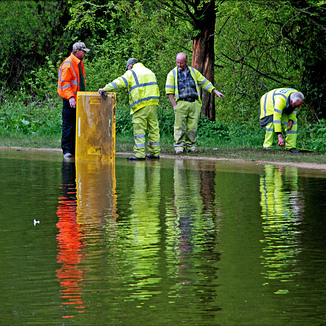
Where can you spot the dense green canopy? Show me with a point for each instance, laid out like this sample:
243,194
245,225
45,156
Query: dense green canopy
244,47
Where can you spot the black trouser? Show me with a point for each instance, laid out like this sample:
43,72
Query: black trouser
68,128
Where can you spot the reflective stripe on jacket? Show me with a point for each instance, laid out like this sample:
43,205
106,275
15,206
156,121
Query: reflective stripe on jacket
68,80
141,84
273,103
171,85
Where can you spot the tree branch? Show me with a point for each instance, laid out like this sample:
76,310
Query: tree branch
99,6
241,60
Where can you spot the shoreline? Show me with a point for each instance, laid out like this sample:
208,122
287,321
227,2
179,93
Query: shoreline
303,165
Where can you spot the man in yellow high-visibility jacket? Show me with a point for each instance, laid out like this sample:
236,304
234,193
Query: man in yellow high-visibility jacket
277,108
182,87
144,98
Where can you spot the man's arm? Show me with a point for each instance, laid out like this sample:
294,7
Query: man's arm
172,100
207,85
119,83
67,77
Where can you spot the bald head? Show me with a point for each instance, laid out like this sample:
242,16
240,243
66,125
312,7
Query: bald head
182,61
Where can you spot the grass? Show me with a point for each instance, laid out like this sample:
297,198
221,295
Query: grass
39,126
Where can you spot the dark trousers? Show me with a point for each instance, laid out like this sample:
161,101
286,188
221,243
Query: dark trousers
68,128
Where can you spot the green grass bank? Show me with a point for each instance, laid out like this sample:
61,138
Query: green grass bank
39,126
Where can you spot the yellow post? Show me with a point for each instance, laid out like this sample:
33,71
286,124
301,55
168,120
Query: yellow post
95,127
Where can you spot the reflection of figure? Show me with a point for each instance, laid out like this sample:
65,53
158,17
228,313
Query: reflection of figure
279,220
191,231
143,243
69,240
188,203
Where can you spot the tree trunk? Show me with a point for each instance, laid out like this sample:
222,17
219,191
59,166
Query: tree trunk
203,56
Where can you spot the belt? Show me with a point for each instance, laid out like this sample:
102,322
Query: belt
189,99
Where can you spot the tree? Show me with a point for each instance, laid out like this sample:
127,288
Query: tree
308,37
30,31
275,43
255,56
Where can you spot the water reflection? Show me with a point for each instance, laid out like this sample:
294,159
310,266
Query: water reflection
281,205
70,242
86,211
171,242
142,230
191,234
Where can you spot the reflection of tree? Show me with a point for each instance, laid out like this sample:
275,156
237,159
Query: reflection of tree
279,203
69,241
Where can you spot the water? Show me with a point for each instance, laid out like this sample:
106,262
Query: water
174,242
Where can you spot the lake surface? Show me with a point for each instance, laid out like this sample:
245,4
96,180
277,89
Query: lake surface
169,242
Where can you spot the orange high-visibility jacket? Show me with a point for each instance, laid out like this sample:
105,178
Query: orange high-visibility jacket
68,80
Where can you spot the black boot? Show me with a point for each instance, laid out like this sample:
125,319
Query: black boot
135,158
152,157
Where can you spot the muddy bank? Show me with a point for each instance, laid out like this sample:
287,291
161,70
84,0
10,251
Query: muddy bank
303,165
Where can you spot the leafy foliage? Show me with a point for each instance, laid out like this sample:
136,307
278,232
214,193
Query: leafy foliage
29,119
258,46
314,137
30,31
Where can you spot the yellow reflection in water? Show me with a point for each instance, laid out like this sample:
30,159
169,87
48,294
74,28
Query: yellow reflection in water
140,234
281,211
96,192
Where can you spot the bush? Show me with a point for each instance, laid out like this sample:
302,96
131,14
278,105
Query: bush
34,117
313,136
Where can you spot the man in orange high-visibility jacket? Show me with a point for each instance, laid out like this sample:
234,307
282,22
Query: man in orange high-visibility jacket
70,81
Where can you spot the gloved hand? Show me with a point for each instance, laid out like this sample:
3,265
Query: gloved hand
102,92
72,102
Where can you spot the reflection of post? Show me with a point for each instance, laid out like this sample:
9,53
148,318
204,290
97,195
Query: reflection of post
278,188
96,196
69,241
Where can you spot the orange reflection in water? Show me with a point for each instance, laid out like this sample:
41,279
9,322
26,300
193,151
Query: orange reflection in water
94,213
70,242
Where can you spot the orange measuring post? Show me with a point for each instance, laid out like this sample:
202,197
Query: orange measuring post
95,127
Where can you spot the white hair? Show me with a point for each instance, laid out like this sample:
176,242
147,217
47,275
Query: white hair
297,96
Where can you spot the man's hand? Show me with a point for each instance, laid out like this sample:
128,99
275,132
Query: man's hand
290,124
281,141
72,102
217,93
100,90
